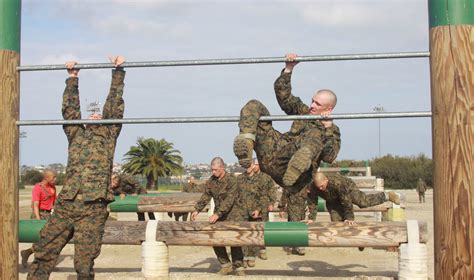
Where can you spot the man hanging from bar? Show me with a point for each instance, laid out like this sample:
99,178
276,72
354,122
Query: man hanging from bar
81,207
223,188
289,158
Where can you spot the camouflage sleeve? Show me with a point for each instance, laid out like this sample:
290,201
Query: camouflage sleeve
142,190
114,105
231,196
289,103
132,184
312,201
346,203
283,199
309,151
271,191
204,200
332,144
71,108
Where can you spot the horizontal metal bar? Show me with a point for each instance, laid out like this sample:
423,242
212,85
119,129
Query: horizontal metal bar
384,115
197,62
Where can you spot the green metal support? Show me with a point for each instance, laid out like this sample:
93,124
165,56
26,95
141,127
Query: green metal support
286,234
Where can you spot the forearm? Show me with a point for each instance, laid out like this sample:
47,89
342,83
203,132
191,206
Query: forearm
114,105
71,108
203,201
289,103
36,210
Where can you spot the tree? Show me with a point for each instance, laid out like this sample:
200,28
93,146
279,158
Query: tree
32,177
153,158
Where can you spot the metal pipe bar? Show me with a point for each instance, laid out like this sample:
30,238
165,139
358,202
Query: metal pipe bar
385,115
198,62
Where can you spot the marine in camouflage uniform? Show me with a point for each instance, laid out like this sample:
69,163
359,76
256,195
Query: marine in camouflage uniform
128,185
421,188
81,208
340,195
228,207
289,158
254,192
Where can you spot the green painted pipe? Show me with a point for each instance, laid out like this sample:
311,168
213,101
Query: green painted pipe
322,205
130,202
10,11
29,230
285,234
450,12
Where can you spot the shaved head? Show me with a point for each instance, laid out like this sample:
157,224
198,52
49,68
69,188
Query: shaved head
218,161
49,176
329,96
320,181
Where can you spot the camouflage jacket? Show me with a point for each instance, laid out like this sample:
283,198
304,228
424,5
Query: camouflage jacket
91,148
128,185
311,135
254,192
270,187
293,105
226,195
189,187
338,192
421,186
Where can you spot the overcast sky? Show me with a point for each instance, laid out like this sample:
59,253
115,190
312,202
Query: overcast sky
88,31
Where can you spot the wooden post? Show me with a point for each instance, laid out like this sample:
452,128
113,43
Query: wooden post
452,97
9,137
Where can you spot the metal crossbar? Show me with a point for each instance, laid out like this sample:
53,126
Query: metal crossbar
255,60
385,115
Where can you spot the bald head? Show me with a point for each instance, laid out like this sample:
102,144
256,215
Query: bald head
323,102
218,161
49,177
329,97
320,181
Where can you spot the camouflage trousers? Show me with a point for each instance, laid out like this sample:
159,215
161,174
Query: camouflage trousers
44,215
274,149
250,252
85,221
421,197
296,207
359,198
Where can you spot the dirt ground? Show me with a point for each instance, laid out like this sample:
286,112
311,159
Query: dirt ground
124,262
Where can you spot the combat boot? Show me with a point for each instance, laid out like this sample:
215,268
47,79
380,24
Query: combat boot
251,263
263,255
225,270
298,251
25,254
240,272
243,149
393,197
299,163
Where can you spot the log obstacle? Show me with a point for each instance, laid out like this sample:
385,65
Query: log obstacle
155,237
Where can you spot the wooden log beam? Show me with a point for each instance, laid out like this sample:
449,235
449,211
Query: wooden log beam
452,102
363,234
9,137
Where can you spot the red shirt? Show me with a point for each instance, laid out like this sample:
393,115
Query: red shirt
46,200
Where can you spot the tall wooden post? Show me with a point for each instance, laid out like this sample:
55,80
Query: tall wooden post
9,110
452,97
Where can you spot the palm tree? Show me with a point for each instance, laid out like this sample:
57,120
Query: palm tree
153,158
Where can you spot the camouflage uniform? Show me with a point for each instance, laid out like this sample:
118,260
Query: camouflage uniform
81,208
340,195
187,188
295,204
421,189
228,206
129,185
302,148
254,196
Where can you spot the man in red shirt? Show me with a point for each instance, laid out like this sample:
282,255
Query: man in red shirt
42,202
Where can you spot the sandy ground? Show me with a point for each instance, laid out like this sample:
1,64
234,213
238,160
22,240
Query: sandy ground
124,262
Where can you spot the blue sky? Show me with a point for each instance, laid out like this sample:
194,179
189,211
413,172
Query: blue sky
88,31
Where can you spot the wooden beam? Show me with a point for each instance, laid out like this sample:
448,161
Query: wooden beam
452,101
9,136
